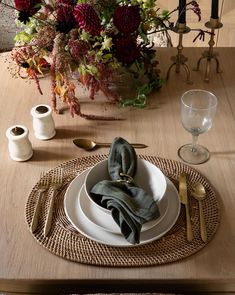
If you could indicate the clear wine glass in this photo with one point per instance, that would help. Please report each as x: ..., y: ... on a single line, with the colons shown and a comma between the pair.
x: 198, y: 108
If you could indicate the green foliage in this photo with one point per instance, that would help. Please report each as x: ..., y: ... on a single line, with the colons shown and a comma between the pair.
x: 23, y: 37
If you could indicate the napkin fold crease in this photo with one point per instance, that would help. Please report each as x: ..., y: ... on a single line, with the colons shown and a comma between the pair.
x: 130, y: 205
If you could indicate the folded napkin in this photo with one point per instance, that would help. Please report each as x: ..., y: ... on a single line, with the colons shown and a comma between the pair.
x: 130, y: 205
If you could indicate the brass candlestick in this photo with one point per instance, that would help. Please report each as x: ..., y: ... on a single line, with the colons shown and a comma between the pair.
x: 180, y: 60
x: 210, y: 54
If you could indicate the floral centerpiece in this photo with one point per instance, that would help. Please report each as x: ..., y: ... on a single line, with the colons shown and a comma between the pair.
x: 96, y: 41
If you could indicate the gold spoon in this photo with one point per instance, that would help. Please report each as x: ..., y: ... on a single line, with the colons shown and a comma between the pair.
x: 199, y: 193
x: 88, y: 144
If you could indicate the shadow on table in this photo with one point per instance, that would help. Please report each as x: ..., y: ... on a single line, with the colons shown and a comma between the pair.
x: 64, y: 133
x: 43, y: 154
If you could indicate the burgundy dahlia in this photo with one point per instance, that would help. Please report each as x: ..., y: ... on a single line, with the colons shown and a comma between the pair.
x: 22, y: 5
x: 127, y: 50
x: 65, y: 18
x: 68, y: 2
x: 87, y: 19
x: 127, y: 18
x: 27, y: 8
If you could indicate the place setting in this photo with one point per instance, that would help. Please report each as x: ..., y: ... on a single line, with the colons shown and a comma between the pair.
x: 137, y: 210
x: 123, y: 222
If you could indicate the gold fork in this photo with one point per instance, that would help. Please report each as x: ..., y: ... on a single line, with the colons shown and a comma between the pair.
x: 43, y: 185
x: 56, y: 183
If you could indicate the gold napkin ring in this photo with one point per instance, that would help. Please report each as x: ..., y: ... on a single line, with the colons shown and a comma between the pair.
x: 128, y: 180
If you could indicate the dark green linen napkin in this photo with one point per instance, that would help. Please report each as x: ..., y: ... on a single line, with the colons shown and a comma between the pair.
x: 130, y: 205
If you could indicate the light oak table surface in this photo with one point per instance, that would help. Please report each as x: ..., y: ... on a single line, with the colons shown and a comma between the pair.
x: 27, y: 267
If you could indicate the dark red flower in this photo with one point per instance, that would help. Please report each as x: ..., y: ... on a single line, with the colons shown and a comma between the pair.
x: 22, y: 5
x: 27, y: 8
x: 65, y: 18
x: 68, y: 2
x: 127, y: 50
x: 87, y: 19
x: 127, y: 18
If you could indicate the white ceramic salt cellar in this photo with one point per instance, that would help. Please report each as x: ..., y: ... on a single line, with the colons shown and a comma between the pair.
x: 19, y: 146
x: 43, y: 123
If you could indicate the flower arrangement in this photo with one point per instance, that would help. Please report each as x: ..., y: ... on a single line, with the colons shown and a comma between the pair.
x: 96, y: 39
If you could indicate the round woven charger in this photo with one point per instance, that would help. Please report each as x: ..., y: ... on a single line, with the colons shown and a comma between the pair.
x: 65, y: 241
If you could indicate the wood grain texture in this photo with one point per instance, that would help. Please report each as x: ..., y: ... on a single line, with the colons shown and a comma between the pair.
x: 226, y: 36
x: 159, y: 127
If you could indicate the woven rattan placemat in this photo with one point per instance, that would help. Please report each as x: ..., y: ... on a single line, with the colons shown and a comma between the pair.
x: 65, y: 241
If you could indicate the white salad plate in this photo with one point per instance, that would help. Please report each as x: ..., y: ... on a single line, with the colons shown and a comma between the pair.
x: 106, y: 221
x: 72, y: 206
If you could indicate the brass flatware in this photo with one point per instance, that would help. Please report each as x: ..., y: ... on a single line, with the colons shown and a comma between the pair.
x: 56, y: 183
x: 184, y: 200
x: 43, y: 185
x: 89, y: 145
x: 199, y: 193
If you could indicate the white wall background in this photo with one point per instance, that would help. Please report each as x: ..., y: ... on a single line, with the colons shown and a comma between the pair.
x: 7, y: 28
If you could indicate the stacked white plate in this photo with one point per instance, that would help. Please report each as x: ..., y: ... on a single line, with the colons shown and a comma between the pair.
x: 93, y: 223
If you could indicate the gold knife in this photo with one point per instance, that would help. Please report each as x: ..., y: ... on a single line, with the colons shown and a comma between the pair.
x: 184, y: 200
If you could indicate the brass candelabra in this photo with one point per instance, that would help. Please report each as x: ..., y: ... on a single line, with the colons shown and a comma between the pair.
x: 209, y: 54
x: 180, y: 60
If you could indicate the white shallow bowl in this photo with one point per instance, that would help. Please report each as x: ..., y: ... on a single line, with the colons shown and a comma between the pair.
x: 147, y: 176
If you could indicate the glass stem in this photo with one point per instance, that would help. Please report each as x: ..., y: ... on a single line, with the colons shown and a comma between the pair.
x: 194, y: 143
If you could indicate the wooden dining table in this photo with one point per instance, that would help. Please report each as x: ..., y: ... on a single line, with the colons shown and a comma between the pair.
x: 27, y: 267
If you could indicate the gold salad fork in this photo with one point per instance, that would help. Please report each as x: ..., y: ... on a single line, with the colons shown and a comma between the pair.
x: 43, y: 185
x: 56, y: 183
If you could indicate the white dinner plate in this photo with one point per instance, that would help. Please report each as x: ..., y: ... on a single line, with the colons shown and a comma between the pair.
x: 106, y: 221
x: 76, y: 217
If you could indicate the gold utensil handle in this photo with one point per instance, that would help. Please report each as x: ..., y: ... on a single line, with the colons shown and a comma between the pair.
x: 189, y: 225
x: 139, y: 145
x: 48, y: 223
x: 135, y: 145
x: 103, y: 144
x: 34, y: 223
x: 202, y: 223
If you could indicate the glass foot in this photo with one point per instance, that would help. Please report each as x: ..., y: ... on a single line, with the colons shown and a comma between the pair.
x: 195, y: 156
